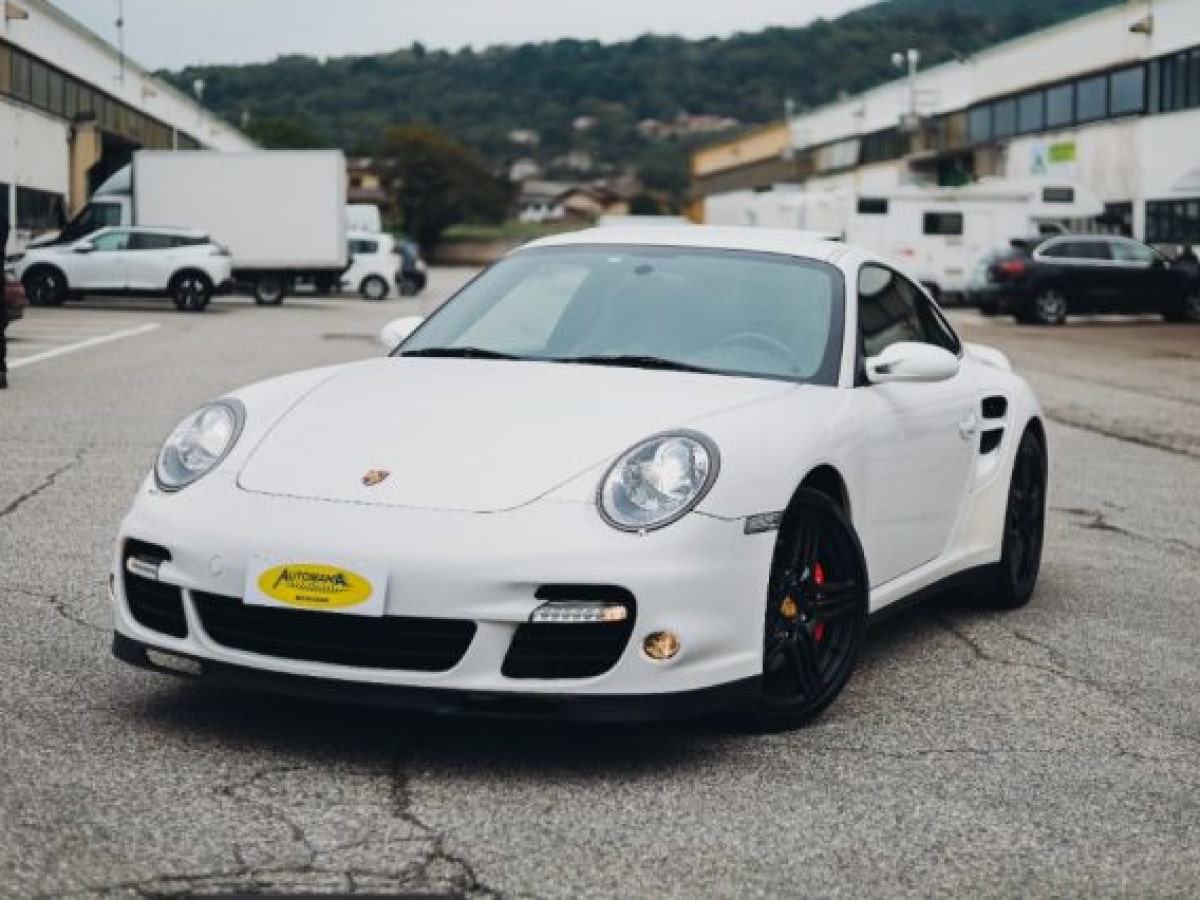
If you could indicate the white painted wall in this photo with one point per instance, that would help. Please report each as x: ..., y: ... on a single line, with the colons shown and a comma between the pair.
x: 34, y: 149
x: 1096, y: 41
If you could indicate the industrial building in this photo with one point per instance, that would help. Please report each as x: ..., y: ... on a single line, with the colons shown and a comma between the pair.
x: 73, y: 110
x: 1110, y: 100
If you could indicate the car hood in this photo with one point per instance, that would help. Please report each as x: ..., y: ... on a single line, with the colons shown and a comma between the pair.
x: 473, y: 435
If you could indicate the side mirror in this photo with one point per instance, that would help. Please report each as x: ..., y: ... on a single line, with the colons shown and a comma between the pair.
x: 911, y: 361
x: 85, y: 247
x: 396, y: 332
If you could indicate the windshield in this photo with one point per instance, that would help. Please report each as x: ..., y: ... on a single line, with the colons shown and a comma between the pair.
x: 726, y: 312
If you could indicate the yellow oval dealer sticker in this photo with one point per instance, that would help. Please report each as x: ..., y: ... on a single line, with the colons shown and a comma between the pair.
x: 314, y: 586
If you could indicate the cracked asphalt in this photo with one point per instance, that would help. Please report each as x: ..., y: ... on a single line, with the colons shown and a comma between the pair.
x: 1050, y: 751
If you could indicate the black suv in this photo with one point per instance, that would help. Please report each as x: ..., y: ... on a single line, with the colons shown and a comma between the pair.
x: 1044, y: 281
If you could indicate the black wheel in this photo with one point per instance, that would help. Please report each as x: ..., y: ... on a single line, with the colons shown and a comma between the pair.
x: 191, y: 291
x: 409, y: 286
x: 269, y: 290
x: 1185, y: 310
x: 374, y: 288
x: 1049, y: 307
x: 816, y: 613
x: 1024, y: 527
x: 45, y: 286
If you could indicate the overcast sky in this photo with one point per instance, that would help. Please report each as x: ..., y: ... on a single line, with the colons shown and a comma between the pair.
x: 174, y: 33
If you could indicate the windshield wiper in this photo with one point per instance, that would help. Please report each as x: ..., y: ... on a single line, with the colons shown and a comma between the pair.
x: 460, y: 353
x: 634, y: 362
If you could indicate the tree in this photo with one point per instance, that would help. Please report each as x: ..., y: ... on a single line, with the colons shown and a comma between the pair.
x: 286, y: 133
x: 434, y: 182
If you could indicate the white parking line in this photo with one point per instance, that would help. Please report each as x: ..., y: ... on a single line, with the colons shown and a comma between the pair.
x: 82, y: 345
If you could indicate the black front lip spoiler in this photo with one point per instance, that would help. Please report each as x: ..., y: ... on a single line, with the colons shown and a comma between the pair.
x: 569, y: 707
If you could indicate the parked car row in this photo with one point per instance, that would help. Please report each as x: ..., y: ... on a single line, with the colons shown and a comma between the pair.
x: 1044, y: 280
x: 188, y: 267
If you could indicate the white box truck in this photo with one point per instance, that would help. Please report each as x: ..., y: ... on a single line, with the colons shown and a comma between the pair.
x: 938, y: 233
x: 281, y: 213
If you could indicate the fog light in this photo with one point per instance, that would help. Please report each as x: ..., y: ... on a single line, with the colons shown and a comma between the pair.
x: 661, y: 645
x: 576, y: 612
x: 181, y: 664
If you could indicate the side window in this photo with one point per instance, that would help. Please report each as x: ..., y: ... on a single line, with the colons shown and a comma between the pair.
x: 892, y: 309
x: 944, y: 223
x: 142, y: 240
x: 1076, y: 250
x: 1131, y: 253
x: 114, y: 240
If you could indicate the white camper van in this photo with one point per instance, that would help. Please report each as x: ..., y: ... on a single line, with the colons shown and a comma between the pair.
x: 939, y: 234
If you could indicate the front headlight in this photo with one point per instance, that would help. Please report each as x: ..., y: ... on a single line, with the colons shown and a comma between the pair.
x: 199, y: 443
x: 658, y: 481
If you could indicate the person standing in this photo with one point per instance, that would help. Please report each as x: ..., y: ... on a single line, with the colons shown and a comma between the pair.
x: 3, y: 298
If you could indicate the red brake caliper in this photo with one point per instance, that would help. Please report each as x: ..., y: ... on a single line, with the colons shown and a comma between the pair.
x: 818, y: 579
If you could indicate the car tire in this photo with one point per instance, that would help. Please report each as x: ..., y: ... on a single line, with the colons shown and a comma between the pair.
x: 1049, y: 307
x: 1187, y: 309
x: 374, y: 288
x: 1013, y: 581
x: 269, y: 290
x: 816, y: 616
x: 409, y: 286
x: 191, y: 291
x: 45, y: 286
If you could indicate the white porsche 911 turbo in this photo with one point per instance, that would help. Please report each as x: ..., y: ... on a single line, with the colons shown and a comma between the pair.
x: 625, y: 473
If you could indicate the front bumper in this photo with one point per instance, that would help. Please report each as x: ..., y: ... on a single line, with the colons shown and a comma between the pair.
x: 443, y: 701
x: 702, y: 578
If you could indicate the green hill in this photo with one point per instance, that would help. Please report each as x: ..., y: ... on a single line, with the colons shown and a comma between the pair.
x: 479, y: 97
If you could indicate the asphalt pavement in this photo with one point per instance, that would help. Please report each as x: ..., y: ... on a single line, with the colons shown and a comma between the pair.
x: 1048, y: 751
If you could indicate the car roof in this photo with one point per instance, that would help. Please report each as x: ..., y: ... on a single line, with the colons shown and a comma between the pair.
x: 792, y: 242
x: 153, y: 229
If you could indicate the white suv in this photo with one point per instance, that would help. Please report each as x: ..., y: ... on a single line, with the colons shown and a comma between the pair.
x: 172, y: 262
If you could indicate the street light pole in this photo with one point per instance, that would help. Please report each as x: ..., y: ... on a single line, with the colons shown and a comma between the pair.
x: 912, y: 57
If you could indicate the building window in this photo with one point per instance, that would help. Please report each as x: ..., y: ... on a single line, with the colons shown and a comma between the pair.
x: 950, y: 224
x: 979, y: 124
x: 1031, y: 112
x: 1173, y: 221
x: 1060, y: 105
x: 881, y: 146
x: 1004, y: 118
x: 872, y: 206
x: 1058, y: 195
x: 1091, y: 99
x: 1127, y: 91
x: 39, y: 211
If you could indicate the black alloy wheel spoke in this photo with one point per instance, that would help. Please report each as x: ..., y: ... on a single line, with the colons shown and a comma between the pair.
x: 835, y: 600
x: 805, y: 668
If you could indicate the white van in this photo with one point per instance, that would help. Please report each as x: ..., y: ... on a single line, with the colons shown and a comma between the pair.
x: 373, y: 265
x: 940, y: 234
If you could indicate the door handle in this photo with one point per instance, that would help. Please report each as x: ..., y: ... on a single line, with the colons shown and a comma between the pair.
x: 968, y: 427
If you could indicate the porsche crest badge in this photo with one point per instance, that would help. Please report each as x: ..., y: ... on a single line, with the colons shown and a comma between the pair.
x: 374, y: 477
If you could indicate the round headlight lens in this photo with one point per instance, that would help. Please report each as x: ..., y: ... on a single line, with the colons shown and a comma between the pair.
x: 198, y: 443
x: 658, y: 481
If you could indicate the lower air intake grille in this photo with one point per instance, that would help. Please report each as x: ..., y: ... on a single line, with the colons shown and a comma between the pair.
x: 574, y: 650
x: 152, y: 604
x: 389, y: 642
